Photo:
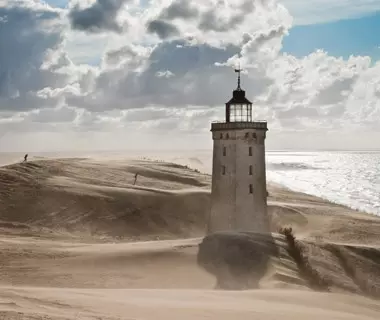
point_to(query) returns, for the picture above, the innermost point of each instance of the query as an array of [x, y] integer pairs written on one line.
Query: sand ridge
[[80, 241], [98, 198]]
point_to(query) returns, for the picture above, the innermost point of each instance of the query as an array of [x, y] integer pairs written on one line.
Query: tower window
[[221, 136], [246, 135], [250, 170], [250, 188], [223, 170], [250, 151], [224, 151], [227, 136], [254, 135]]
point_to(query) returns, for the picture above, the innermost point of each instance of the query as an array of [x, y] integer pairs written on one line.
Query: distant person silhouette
[[136, 175], [26, 158]]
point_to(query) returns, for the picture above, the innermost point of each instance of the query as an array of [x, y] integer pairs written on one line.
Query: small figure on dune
[[26, 158], [136, 175]]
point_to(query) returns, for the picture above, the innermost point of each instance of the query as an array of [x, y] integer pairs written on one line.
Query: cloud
[[188, 71], [35, 71], [131, 56], [214, 22], [193, 67], [172, 72], [163, 29], [219, 19], [52, 115], [182, 9], [101, 16], [30, 56]]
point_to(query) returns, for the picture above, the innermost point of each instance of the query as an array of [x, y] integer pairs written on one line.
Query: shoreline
[[290, 189]]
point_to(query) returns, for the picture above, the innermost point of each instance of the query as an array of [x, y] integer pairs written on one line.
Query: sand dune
[[90, 198], [80, 241]]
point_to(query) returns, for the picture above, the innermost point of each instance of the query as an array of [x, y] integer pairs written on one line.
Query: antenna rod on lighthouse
[[238, 71]]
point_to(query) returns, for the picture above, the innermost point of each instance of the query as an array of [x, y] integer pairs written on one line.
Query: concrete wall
[[233, 207]]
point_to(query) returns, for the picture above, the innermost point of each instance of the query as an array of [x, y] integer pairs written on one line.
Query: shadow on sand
[[238, 260]]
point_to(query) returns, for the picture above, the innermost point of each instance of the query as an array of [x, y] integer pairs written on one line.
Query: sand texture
[[80, 241]]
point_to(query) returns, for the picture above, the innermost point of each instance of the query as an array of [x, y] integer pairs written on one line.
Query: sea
[[350, 178]]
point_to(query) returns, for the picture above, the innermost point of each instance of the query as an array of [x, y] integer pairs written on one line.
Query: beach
[[80, 240]]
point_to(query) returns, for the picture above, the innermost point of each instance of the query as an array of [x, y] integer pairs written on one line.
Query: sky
[[130, 74]]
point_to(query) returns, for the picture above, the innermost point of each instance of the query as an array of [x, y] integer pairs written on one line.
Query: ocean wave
[[290, 166]]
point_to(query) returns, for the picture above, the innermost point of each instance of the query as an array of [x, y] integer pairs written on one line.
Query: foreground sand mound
[[74, 304], [158, 280], [99, 198]]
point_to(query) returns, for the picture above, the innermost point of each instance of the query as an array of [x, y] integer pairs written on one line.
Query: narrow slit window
[[223, 170], [250, 188], [250, 151], [250, 170], [224, 151]]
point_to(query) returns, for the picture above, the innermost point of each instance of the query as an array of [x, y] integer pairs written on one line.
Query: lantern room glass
[[240, 112]]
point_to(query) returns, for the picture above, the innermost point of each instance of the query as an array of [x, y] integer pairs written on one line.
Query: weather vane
[[239, 70]]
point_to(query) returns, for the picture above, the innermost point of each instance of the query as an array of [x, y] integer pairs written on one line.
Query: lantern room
[[239, 108]]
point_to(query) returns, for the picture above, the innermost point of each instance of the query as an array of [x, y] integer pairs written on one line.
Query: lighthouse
[[239, 193]]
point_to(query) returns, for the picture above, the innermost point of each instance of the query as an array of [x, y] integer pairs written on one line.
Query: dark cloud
[[162, 29], [179, 9], [100, 17]]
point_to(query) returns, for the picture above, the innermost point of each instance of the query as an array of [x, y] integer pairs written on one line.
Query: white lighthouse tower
[[239, 194]]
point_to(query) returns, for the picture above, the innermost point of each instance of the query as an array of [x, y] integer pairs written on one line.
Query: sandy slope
[[161, 304], [66, 250], [97, 198]]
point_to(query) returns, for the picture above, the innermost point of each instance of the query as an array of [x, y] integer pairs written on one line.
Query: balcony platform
[[258, 125]]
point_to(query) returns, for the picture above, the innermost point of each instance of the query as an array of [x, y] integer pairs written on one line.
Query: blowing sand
[[80, 241]]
